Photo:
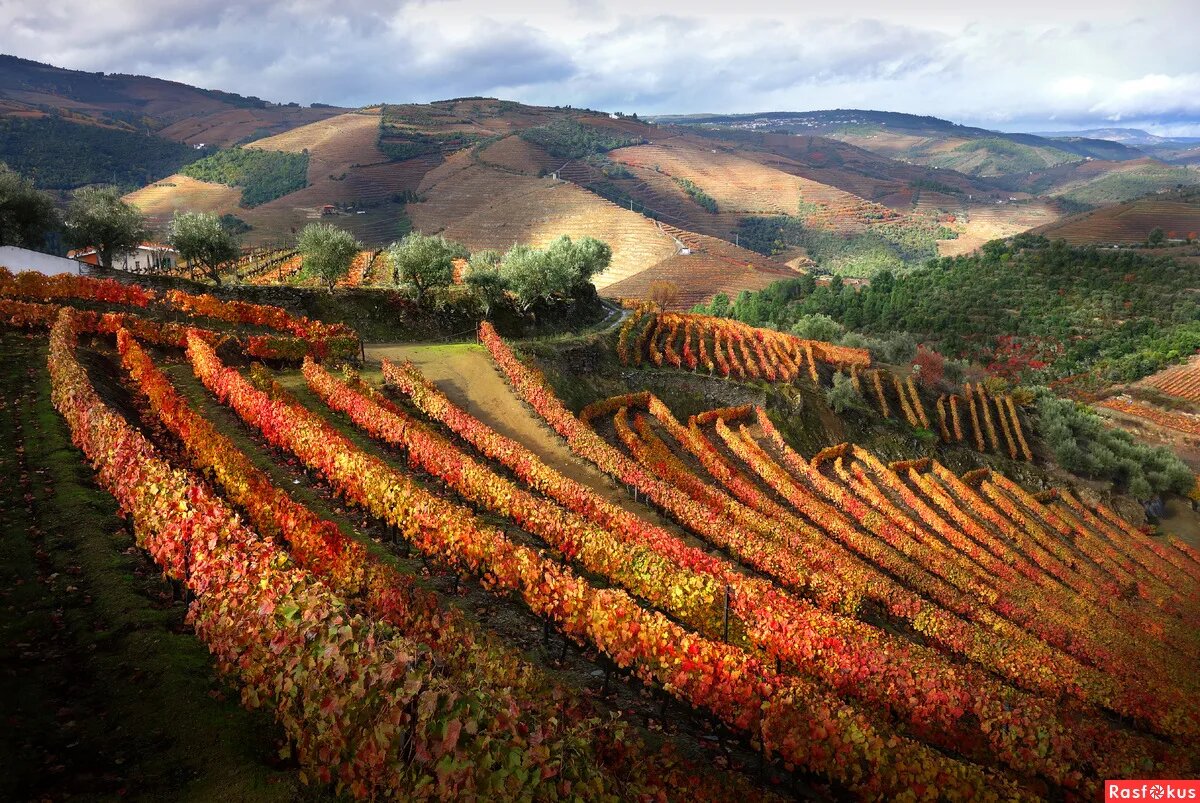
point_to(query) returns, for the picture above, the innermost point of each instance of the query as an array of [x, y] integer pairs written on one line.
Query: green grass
[[107, 693]]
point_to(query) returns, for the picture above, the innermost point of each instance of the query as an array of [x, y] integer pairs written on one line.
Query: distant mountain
[[67, 128], [929, 141], [1134, 137], [712, 209]]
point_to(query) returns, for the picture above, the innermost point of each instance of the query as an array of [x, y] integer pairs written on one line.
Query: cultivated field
[[388, 556], [1128, 222]]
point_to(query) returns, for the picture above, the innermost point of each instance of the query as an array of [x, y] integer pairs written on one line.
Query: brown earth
[[465, 373]]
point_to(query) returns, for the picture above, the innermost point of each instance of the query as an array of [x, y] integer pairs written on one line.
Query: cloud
[[1025, 62]]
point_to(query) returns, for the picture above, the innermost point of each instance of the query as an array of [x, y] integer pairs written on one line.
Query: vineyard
[[1128, 222], [841, 627], [1181, 381], [731, 349], [1180, 422]]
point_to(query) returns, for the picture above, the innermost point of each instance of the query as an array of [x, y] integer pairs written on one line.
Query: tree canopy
[[425, 261], [1083, 445], [204, 240], [327, 252], [536, 275], [1025, 307], [26, 213], [97, 216]]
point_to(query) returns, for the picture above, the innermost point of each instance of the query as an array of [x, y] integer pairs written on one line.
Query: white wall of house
[[143, 259]]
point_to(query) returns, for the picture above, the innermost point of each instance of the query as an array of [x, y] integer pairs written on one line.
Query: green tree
[[327, 252], [484, 278], [818, 327], [537, 275], [204, 241], [719, 306], [583, 258], [1156, 237], [424, 261], [26, 213], [97, 217]]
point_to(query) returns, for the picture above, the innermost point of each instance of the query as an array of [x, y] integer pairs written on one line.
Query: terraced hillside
[[928, 140], [418, 598], [1130, 222], [492, 173], [1098, 182], [483, 207], [346, 170]]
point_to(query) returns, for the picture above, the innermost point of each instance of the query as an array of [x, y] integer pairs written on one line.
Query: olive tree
[[26, 213], [327, 252], [537, 275], [485, 279], [424, 261], [203, 240], [98, 217]]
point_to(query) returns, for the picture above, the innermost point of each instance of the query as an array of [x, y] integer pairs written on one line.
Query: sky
[[1013, 65]]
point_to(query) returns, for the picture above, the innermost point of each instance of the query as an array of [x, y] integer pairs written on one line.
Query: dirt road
[[465, 373]]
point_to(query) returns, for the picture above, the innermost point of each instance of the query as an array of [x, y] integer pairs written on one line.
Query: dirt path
[[465, 373]]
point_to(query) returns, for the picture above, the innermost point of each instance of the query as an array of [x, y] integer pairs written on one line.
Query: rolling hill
[[928, 141], [1176, 213], [1100, 182], [491, 173], [68, 128]]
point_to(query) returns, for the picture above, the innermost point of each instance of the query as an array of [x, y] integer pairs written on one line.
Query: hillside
[[1098, 182], [928, 141], [67, 128], [1177, 213], [137, 103]]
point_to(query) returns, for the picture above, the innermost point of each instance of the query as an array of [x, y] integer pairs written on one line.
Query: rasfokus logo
[[1152, 790]]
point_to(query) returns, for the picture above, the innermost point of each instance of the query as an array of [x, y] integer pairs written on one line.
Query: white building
[[19, 259], [146, 258]]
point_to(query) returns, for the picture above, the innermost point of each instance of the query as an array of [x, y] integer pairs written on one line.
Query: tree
[[929, 366], [535, 275], [719, 306], [483, 277], [1156, 237], [97, 217], [327, 252], [818, 327], [662, 293], [424, 261], [26, 213], [583, 258], [203, 240]]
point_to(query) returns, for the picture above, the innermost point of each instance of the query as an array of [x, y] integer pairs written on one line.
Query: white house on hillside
[[146, 258]]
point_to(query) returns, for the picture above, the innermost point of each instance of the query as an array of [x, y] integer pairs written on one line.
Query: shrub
[[1083, 445]]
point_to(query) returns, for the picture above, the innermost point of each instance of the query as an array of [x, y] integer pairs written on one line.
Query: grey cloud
[[950, 62]]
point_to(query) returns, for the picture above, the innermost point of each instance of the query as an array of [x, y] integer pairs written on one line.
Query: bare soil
[[465, 373]]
